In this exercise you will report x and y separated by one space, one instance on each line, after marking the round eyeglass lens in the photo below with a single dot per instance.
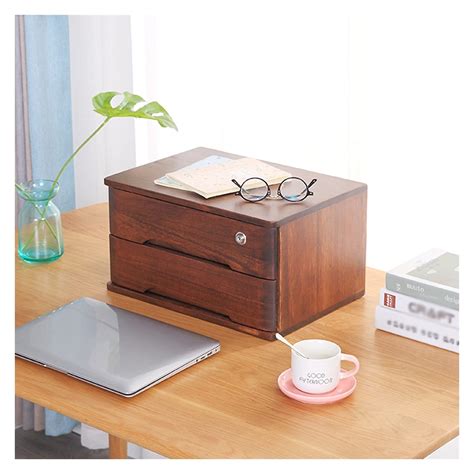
293 189
254 189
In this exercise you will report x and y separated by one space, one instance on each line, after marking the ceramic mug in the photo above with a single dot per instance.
321 371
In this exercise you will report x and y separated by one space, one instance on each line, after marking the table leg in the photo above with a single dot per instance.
117 448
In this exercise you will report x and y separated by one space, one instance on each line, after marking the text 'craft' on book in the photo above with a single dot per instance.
419 308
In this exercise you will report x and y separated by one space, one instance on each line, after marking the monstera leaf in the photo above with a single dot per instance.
128 108
103 105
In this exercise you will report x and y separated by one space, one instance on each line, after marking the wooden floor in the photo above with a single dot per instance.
36 445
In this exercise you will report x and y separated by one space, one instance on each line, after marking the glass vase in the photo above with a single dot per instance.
40 236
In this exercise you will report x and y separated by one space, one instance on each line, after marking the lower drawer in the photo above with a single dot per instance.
153 270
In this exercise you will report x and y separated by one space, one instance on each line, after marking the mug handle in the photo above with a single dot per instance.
355 361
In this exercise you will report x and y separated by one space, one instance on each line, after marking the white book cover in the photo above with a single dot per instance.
436 267
417 329
419 308
432 276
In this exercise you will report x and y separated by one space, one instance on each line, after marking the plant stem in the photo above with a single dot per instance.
79 148
53 233
58 176
40 213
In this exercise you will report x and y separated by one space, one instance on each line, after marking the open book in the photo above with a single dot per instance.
213 176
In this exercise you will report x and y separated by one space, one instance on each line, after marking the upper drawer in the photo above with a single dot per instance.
142 219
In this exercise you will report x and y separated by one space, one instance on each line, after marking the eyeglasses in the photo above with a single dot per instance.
291 189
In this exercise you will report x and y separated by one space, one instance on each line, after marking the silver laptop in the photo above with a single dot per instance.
109 347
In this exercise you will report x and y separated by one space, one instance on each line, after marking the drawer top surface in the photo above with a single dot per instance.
268 213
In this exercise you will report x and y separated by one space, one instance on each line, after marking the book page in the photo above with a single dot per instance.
216 180
208 161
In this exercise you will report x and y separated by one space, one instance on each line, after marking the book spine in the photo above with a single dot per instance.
424 291
419 308
417 329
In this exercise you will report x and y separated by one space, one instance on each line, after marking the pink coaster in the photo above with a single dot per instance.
343 390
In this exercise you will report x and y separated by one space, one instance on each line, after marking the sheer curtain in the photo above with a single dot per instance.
100 60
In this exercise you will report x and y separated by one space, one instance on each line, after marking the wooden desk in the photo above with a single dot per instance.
405 405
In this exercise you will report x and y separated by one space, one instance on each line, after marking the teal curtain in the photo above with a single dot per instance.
43 136
49 100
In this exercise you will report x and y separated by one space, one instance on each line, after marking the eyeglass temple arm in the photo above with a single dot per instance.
237 184
311 184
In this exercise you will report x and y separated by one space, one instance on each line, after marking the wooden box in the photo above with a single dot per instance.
176 249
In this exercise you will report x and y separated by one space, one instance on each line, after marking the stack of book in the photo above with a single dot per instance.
421 300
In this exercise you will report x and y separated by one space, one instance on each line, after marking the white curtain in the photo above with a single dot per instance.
101 60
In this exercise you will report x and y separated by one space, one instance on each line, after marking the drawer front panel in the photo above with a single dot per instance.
244 299
208 236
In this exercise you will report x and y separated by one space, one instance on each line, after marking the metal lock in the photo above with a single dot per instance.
240 238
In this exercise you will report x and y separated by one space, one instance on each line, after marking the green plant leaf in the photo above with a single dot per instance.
102 100
127 108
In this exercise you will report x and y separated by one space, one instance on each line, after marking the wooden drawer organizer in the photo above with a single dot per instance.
178 250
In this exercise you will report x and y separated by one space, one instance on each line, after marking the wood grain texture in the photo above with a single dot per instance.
142 219
244 299
322 261
268 213
229 406
191 310
117 448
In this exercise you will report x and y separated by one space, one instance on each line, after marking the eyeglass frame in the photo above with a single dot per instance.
269 195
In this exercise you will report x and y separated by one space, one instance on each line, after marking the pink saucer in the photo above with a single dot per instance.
343 390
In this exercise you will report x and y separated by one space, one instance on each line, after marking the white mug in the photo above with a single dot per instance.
321 371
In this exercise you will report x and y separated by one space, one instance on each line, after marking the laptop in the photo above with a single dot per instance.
109 347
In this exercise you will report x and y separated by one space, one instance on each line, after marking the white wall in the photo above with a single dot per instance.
369 94
101 60
239 82
407 139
